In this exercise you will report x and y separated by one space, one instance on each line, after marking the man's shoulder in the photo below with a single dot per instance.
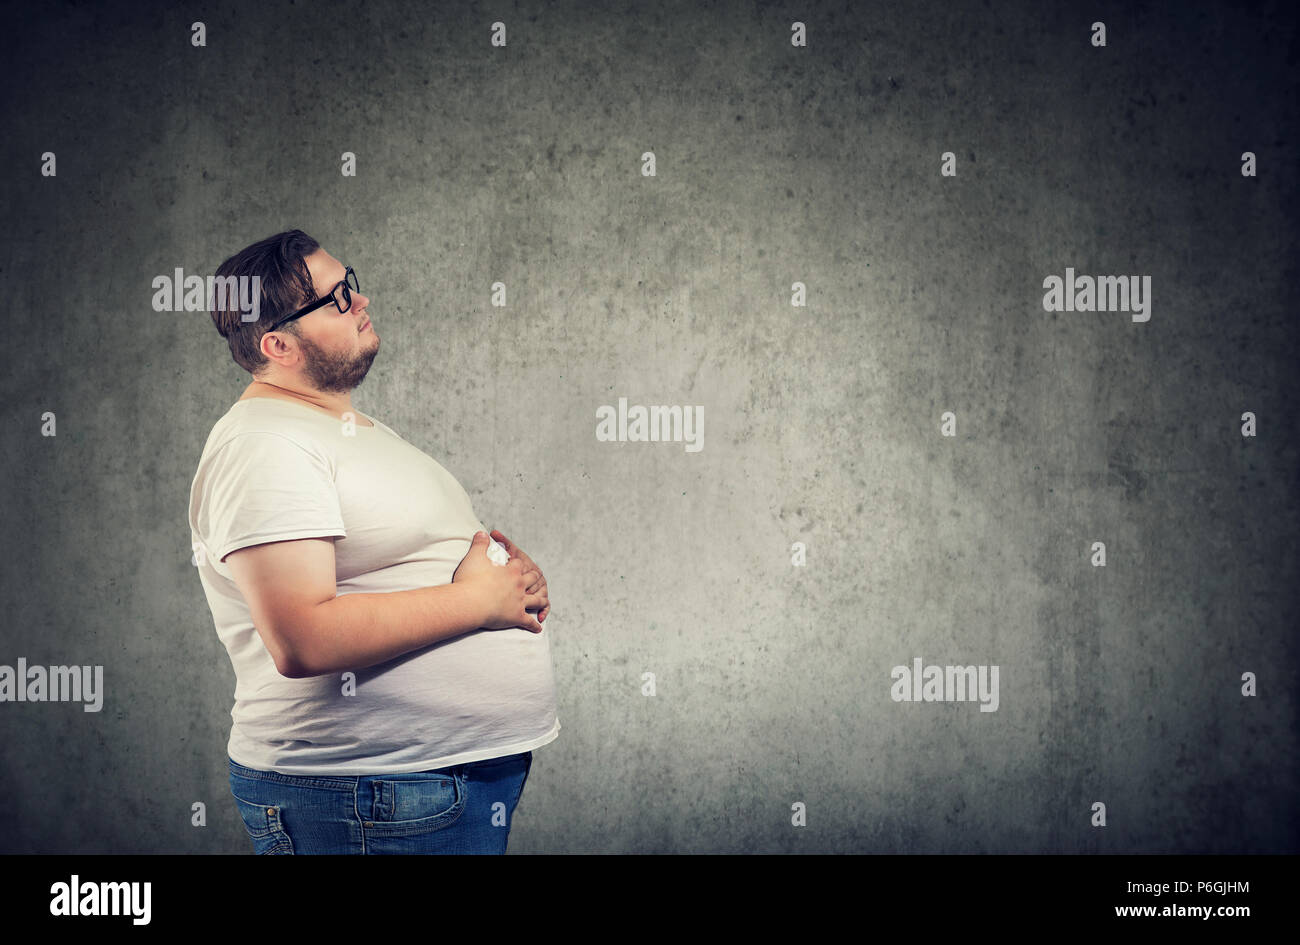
254 426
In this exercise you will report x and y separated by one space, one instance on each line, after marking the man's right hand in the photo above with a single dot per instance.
500 589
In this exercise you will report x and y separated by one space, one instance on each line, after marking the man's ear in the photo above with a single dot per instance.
275 347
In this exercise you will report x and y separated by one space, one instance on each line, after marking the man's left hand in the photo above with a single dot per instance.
538 586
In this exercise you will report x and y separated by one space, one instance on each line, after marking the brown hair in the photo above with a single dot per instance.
286 285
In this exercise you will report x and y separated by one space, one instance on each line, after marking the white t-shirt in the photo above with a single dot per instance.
274 470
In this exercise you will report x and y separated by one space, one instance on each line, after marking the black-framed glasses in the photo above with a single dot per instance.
340 295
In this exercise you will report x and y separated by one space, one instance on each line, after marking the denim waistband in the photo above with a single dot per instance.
348 782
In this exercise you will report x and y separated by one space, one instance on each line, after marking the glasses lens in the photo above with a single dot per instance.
352 280
342 297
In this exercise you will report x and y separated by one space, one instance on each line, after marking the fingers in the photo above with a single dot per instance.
544 609
529 621
535 593
538 593
540 616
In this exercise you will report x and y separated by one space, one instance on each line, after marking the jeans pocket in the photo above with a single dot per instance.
265 827
415 804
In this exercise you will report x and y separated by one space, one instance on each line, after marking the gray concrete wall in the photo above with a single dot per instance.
823 423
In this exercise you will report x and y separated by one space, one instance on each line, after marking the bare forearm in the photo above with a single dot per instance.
354 631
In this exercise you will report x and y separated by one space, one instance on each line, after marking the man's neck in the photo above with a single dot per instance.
336 404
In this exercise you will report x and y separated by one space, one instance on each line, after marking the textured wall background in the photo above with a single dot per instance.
775 164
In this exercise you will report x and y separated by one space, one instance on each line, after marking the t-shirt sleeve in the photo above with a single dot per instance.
263 487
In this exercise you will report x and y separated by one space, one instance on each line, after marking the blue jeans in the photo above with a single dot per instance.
464 808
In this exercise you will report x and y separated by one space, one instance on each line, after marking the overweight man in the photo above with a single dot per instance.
392 680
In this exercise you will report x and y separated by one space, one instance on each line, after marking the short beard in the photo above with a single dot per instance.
336 374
